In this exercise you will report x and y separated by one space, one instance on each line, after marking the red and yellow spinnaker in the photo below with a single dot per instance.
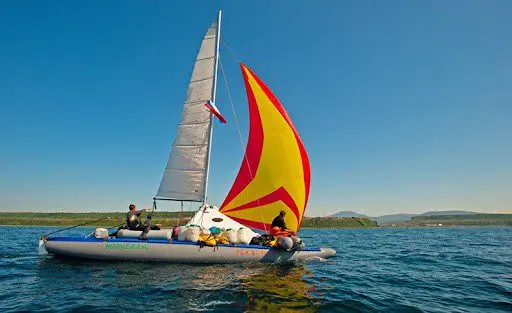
275 174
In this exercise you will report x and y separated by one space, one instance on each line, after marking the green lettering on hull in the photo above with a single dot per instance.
126 246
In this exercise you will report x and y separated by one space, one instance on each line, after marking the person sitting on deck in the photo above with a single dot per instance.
134 222
278 227
279 221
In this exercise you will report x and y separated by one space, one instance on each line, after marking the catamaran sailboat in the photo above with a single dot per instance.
274 176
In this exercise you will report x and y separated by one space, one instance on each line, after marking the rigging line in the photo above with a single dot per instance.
234 112
181 215
224 42
117 226
90 222
153 210
201 219
238 128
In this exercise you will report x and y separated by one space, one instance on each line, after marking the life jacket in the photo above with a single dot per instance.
277 231
207 240
222 240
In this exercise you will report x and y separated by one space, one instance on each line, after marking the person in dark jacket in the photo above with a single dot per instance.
279 221
133 220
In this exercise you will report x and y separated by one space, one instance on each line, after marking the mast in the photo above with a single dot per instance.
214 93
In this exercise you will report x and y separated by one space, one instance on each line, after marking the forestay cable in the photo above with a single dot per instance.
232 108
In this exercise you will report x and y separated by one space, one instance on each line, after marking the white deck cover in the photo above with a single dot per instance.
204 218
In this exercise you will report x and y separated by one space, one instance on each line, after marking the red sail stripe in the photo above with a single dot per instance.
279 194
252 224
253 150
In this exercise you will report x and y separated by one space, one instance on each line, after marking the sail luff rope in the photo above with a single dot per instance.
238 126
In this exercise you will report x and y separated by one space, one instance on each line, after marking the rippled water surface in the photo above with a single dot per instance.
387 270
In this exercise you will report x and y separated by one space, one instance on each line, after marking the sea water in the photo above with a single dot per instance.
375 270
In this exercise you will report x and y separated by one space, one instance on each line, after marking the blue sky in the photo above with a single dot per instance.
404 106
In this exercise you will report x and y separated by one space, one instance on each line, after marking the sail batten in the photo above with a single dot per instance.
187 167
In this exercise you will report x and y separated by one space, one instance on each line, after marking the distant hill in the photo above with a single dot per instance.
401 218
337 222
393 218
348 214
452 212
479 219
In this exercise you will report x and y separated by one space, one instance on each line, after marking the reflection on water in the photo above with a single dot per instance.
246 287
279 288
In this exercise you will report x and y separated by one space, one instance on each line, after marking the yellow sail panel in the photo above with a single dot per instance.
275 173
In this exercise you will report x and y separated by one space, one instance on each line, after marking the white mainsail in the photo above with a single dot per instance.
186 172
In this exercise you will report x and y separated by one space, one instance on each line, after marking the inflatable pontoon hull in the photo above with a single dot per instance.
174 251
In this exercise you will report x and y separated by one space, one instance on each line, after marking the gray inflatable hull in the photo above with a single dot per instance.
175 251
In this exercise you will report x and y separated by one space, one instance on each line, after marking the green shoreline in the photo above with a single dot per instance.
166 219
170 219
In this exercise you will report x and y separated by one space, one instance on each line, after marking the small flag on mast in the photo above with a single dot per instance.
211 106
